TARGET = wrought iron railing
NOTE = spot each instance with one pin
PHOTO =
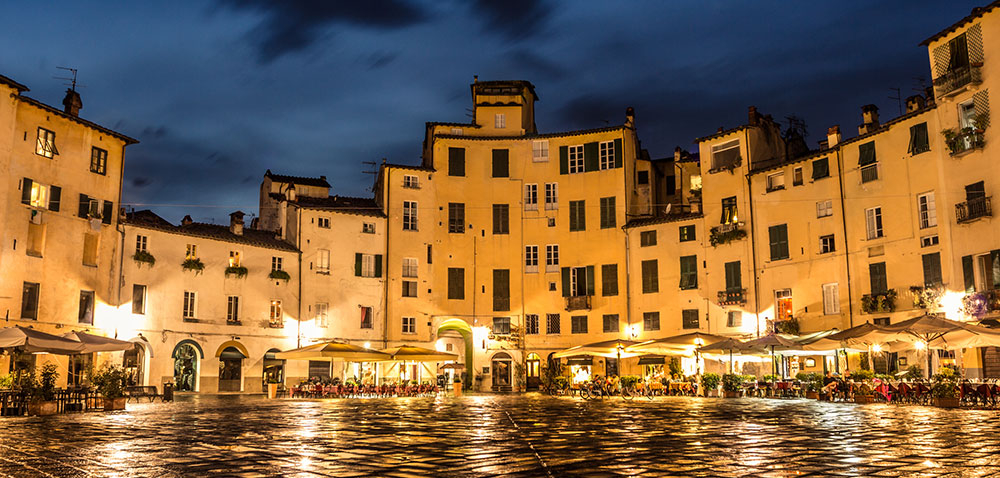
(578, 302)
(869, 173)
(957, 78)
(973, 209)
(966, 141)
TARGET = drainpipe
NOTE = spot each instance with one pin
(298, 240)
(121, 248)
(847, 251)
(753, 244)
(628, 296)
(385, 286)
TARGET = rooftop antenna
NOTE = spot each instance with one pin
(898, 98)
(798, 124)
(372, 171)
(72, 81)
(922, 82)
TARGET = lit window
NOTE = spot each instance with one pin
(276, 319)
(234, 259)
(46, 145)
(192, 251)
(576, 159)
(98, 160)
(39, 195)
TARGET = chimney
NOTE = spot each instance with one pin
(186, 221)
(290, 193)
(824, 144)
(236, 223)
(869, 119)
(929, 95)
(72, 102)
(753, 116)
(677, 154)
(914, 103)
(833, 136)
(630, 117)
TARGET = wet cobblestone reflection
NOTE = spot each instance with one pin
(502, 436)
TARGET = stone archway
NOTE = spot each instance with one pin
(501, 371)
(465, 330)
(187, 357)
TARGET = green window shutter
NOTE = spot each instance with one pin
(689, 272)
(734, 279)
(821, 168)
(877, 277)
(591, 279)
(26, 191)
(84, 209)
(378, 265)
(357, 264)
(618, 153)
(565, 282)
(108, 212)
(563, 160)
(932, 269)
(501, 163)
(456, 161)
(969, 273)
(55, 195)
(591, 159)
(866, 154)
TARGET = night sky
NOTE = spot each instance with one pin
(219, 91)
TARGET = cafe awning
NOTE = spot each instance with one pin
(34, 341)
(583, 360)
(608, 348)
(333, 350)
(411, 353)
(652, 360)
(97, 343)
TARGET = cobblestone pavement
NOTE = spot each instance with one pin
(503, 436)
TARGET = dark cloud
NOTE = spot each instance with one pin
(294, 25)
(513, 19)
(592, 111)
(380, 59)
(141, 182)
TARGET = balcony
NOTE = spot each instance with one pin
(963, 142)
(869, 173)
(276, 323)
(578, 302)
(881, 302)
(233, 322)
(956, 80)
(733, 296)
(969, 211)
(726, 233)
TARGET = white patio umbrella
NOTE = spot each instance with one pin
(34, 341)
(97, 343)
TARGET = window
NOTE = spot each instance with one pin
(456, 283)
(501, 325)
(873, 222)
(650, 321)
(409, 267)
(140, 243)
(367, 265)
(689, 318)
(797, 176)
(642, 177)
(928, 241)
(552, 323)
(501, 163)
(778, 236)
(689, 272)
(323, 261)
(609, 280)
(607, 150)
(366, 317)
(611, 323)
(46, 145)
(552, 258)
(275, 317)
(322, 315)
(456, 161)
(551, 196)
(928, 214)
(734, 276)
(501, 219)
(86, 313)
(409, 288)
(91, 247)
(729, 215)
(540, 151)
(233, 309)
(42, 196)
(831, 299)
(578, 324)
(576, 159)
(276, 264)
(369, 227)
(826, 244)
(824, 208)
(608, 212)
(918, 139)
(411, 182)
(531, 197)
(91, 208)
(98, 160)
(577, 216)
(456, 217)
(869, 173)
(650, 279)
(775, 181)
(430, 256)
(29, 301)
(409, 325)
(932, 269)
(531, 324)
(500, 121)
(726, 155)
(191, 251)
(190, 302)
(501, 289)
(323, 222)
(409, 216)
(647, 238)
(734, 318)
(866, 154)
(876, 274)
(821, 168)
(686, 233)
(530, 258)
(138, 299)
(234, 258)
(580, 281)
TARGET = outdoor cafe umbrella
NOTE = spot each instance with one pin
(334, 350)
(33, 341)
(608, 349)
(676, 345)
(936, 332)
(412, 353)
(97, 343)
(730, 345)
(772, 341)
(452, 366)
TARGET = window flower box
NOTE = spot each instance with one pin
(238, 271)
(143, 257)
(193, 264)
(279, 275)
(883, 302)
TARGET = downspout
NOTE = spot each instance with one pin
(753, 243)
(847, 250)
(628, 294)
(385, 287)
(298, 240)
(121, 231)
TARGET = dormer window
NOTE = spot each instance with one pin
(46, 145)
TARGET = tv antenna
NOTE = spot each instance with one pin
(72, 81)
(898, 98)
(372, 169)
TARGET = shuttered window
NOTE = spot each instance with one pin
(456, 161)
(866, 153)
(729, 215)
(932, 269)
(501, 219)
(918, 139)
(821, 168)
(577, 216)
(608, 212)
(650, 321)
(501, 163)
(611, 323)
(647, 238)
(779, 241)
(650, 277)
(456, 283)
(734, 278)
(689, 318)
(609, 279)
(689, 272)
(501, 289)
(456, 217)
(578, 324)
(876, 273)
(831, 299)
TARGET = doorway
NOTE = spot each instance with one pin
(532, 367)
(186, 367)
(501, 372)
(231, 370)
(274, 369)
(132, 362)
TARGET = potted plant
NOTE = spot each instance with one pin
(710, 383)
(864, 393)
(238, 271)
(110, 382)
(143, 257)
(914, 372)
(272, 386)
(770, 378)
(456, 386)
(279, 274)
(731, 385)
(42, 391)
(812, 383)
(944, 390)
(193, 264)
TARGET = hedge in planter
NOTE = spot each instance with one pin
(731, 384)
(42, 392)
(143, 257)
(238, 271)
(944, 390)
(193, 265)
(110, 382)
(710, 382)
(279, 274)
